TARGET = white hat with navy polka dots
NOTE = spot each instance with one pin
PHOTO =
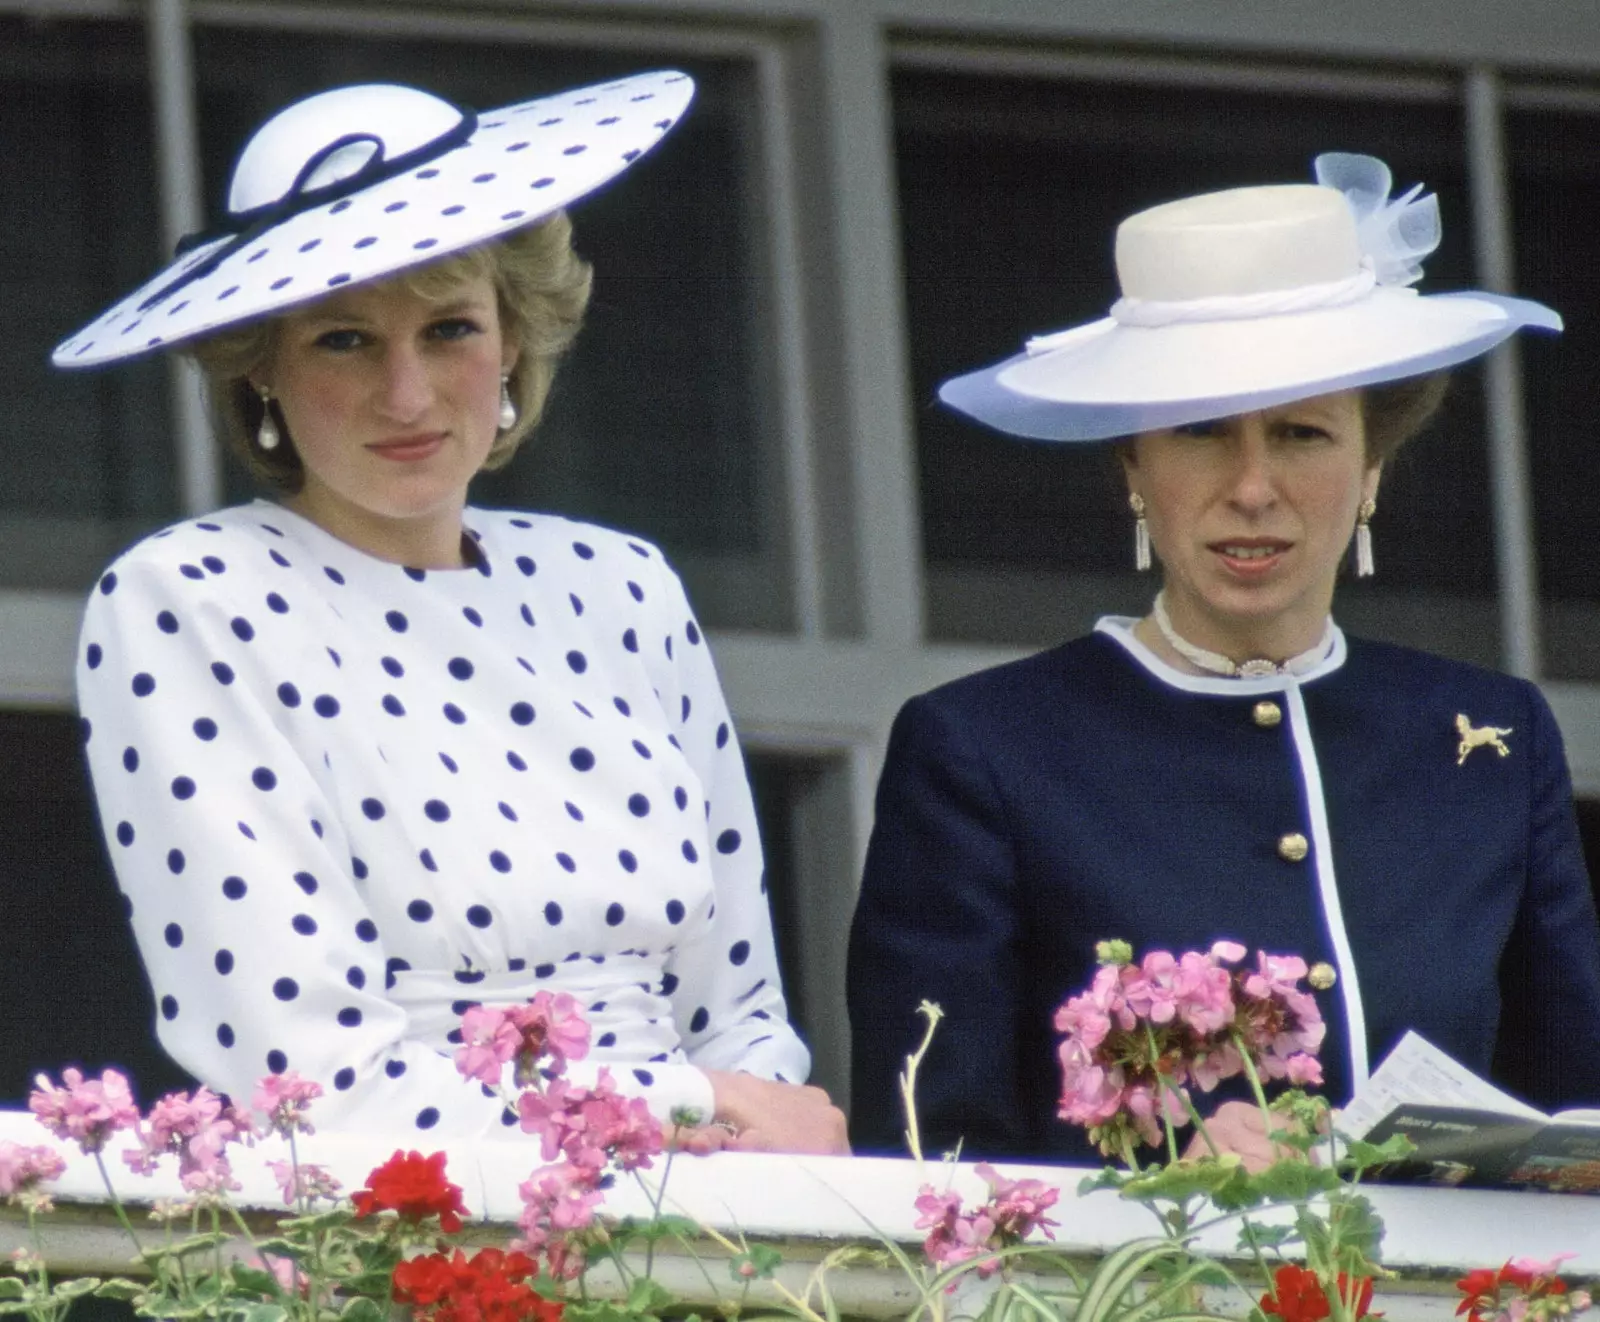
(358, 183)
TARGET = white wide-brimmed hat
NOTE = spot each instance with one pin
(1243, 300)
(362, 182)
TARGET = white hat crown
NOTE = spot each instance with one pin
(1238, 242)
(337, 134)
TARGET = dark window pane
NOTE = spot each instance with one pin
(70, 976)
(1555, 189)
(87, 455)
(661, 421)
(1010, 193)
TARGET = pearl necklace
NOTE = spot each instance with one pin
(1256, 668)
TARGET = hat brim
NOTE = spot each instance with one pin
(524, 163)
(1106, 380)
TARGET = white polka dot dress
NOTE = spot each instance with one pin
(346, 800)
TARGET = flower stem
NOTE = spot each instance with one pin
(1260, 1093)
(1162, 1087)
(908, 1078)
(122, 1212)
(1199, 1124)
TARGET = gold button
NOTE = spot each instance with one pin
(1266, 714)
(1321, 976)
(1293, 847)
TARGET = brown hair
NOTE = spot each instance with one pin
(542, 290)
(1391, 414)
(1395, 411)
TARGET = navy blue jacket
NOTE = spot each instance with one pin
(1090, 792)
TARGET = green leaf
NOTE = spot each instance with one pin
(119, 1287)
(362, 1309)
(254, 1280)
(646, 1296)
(1106, 1287)
(667, 1227)
(264, 1313)
(596, 1310)
(11, 1287)
(1360, 1155)
(1181, 1180)
(75, 1288)
(315, 1221)
(1109, 1178)
(197, 1244)
(1252, 1236)
(1293, 1181)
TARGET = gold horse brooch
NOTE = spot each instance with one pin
(1482, 736)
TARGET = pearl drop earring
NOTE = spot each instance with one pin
(267, 434)
(508, 410)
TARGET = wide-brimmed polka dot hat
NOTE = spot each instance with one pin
(1248, 299)
(361, 182)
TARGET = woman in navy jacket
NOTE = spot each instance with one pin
(1231, 765)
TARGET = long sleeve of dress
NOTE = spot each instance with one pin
(938, 920)
(724, 984)
(239, 881)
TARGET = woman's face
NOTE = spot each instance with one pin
(393, 402)
(1250, 516)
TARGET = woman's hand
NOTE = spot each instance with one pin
(1240, 1128)
(778, 1117)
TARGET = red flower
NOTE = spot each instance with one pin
(1485, 1291)
(490, 1286)
(415, 1187)
(1300, 1297)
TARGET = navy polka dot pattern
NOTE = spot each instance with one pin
(334, 811)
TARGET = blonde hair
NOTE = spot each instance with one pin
(541, 289)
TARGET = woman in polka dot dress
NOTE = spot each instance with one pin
(367, 756)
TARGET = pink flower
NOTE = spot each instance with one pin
(556, 1202)
(1143, 1105)
(196, 1129)
(22, 1168)
(1015, 1209)
(284, 1099)
(1152, 991)
(1302, 1070)
(1204, 993)
(489, 1039)
(954, 1236)
(553, 1026)
(87, 1111)
(304, 1183)
(590, 1126)
(1090, 1094)
(1018, 1206)
(1092, 1015)
(1213, 1062)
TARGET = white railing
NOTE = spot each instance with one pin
(808, 1206)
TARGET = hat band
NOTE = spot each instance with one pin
(1243, 307)
(247, 226)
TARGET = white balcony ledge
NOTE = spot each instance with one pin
(808, 1206)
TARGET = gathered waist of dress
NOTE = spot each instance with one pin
(629, 1017)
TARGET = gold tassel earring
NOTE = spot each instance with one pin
(1364, 538)
(1141, 532)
